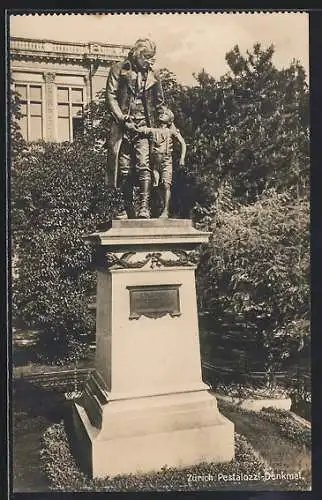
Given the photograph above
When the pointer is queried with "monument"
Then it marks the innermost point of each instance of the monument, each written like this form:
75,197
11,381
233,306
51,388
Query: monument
146,406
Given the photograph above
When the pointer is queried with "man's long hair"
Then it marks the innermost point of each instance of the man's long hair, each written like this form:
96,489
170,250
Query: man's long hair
142,45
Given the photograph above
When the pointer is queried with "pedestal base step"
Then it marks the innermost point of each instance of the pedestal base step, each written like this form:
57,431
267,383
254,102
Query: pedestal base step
144,434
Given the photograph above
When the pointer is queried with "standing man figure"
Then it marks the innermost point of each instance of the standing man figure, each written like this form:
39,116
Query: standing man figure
134,97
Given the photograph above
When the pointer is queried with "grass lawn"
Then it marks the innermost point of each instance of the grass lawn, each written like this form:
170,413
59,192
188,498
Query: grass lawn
276,449
26,448
34,410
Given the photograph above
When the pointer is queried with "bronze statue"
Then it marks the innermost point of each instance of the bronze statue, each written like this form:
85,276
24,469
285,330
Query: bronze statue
134,97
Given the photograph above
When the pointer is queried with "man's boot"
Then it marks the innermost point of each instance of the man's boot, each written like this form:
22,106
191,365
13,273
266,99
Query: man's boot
145,186
167,194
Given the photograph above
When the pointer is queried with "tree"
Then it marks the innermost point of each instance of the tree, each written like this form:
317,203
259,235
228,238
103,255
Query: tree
271,125
189,185
17,143
97,122
249,129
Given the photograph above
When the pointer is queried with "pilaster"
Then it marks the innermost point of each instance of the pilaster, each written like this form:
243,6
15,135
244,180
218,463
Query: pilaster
50,106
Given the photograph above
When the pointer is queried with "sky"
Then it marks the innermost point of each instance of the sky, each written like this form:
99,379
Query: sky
186,43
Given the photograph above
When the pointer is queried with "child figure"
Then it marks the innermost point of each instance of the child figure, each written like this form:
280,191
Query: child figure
161,153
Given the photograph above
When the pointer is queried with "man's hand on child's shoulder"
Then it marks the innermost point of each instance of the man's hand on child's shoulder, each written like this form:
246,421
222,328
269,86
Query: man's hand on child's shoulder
130,126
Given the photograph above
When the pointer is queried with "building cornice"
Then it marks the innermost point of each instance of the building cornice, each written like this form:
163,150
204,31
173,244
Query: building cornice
85,53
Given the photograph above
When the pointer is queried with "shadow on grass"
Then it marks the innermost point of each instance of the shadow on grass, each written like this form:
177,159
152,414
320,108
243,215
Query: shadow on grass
34,410
301,408
37,401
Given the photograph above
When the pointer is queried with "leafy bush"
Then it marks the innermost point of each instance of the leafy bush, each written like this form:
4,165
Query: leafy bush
245,392
257,269
288,426
58,195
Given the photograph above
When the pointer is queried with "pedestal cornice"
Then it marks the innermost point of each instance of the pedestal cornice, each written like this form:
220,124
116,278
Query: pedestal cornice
149,233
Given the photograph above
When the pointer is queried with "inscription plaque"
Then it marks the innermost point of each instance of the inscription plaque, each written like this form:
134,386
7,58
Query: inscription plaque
154,301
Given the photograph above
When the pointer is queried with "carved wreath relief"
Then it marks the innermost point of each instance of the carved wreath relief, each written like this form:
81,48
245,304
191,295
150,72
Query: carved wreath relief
151,301
133,260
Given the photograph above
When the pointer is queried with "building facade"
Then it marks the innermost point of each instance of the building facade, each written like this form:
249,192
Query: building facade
55,81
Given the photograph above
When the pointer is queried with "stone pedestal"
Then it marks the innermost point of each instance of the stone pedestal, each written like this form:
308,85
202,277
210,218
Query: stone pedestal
146,405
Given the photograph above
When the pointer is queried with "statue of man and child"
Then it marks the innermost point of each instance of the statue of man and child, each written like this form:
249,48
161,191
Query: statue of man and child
142,133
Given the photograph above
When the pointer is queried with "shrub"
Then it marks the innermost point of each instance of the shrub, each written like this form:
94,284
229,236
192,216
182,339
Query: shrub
288,426
58,195
256,268
246,392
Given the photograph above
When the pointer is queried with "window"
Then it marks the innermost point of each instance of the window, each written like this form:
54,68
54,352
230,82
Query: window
70,102
31,108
